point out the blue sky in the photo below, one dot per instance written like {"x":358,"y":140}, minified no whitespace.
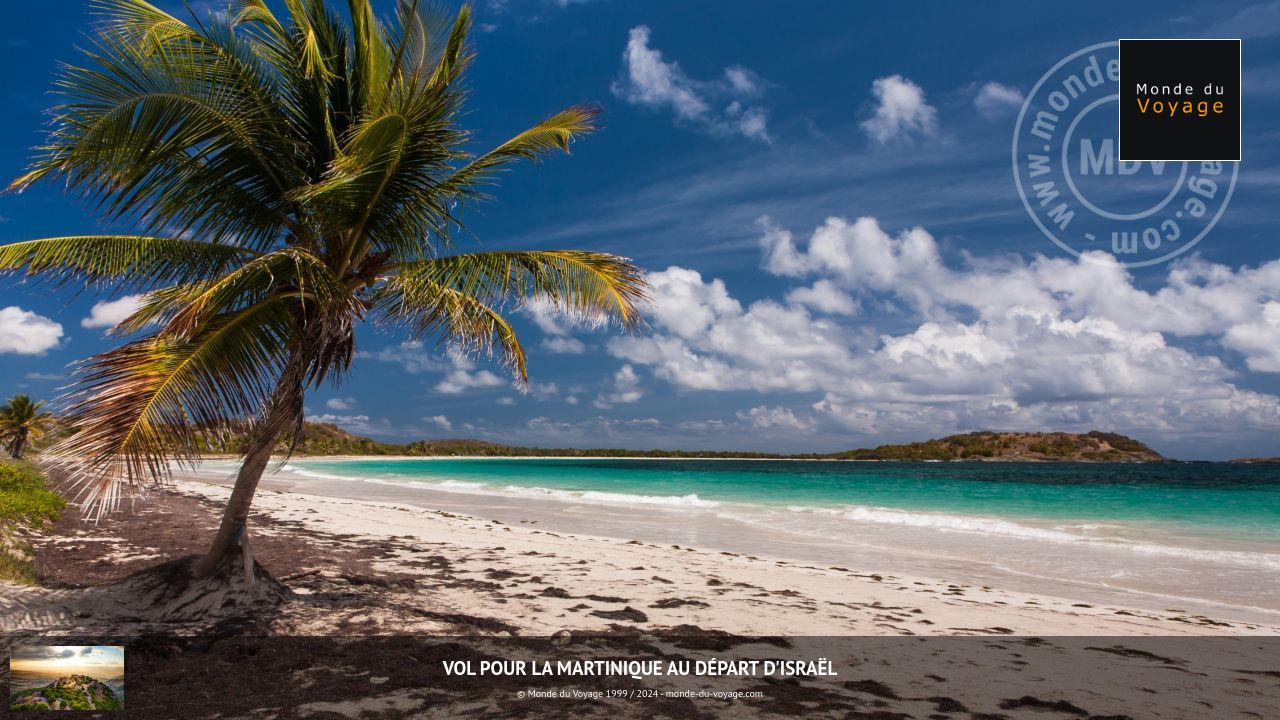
{"x":822,"y":193}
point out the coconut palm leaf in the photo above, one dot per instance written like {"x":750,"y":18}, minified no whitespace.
{"x":125,"y":261}
{"x":141,"y":406}
{"x":281,"y":171}
{"x":459,"y":298}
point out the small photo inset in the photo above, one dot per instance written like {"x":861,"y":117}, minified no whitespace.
{"x":66,"y":677}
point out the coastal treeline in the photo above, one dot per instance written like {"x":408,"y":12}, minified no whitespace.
{"x":328,"y":439}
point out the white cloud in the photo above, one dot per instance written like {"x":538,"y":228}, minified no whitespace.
{"x":626,"y":389}
{"x":506,"y":400}
{"x":340,"y":403}
{"x":460,"y":372}
{"x":719,"y":107}
{"x":1258,"y":339}
{"x":25,"y":333}
{"x":596,"y":431}
{"x":901,"y":111}
{"x":997,"y":342}
{"x":440,"y":421}
{"x":824,"y":296}
{"x":775,"y":418}
{"x":352,"y":423}
{"x":556,"y":323}
{"x":411,"y":355}
{"x":564,"y":346}
{"x":544,"y":391}
{"x":995,"y":101}
{"x":110,"y":313}
{"x":743,"y":81}
{"x":464,"y":376}
{"x":46,"y":377}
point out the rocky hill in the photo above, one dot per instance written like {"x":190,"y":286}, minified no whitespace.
{"x":1092,"y":446}
{"x":69,"y":692}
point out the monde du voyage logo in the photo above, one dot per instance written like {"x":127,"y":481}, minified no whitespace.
{"x":1138,"y":163}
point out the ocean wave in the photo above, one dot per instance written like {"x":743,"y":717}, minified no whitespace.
{"x":976,"y":525}
{"x":1091,"y":534}
{"x":594,"y":497}
{"x":610,"y":498}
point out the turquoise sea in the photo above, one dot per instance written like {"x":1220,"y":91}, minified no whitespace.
{"x":1202,"y":530}
{"x":1210,"y":499}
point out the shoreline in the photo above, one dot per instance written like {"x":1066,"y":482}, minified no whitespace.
{"x":1156,"y":562}
{"x":1035,"y":461}
{"x":360,"y":560}
{"x":1030,"y":605}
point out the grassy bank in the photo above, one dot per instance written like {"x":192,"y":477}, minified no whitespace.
{"x":26,"y":505}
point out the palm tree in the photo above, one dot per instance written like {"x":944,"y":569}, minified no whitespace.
{"x":21,"y":422}
{"x":284,"y":179}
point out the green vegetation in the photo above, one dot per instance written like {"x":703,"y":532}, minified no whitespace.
{"x":21,"y":423}
{"x":1092,"y":446}
{"x":328,"y":439}
{"x":72,"y":692}
{"x":26,"y":505}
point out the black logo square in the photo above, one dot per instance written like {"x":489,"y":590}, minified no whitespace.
{"x":1179,"y":100}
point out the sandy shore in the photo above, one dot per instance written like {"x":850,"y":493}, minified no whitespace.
{"x":383,"y":591}
{"x":433,"y":569}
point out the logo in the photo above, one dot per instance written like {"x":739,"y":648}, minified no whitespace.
{"x":1082,"y":196}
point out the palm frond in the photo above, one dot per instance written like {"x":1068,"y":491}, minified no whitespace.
{"x":289,"y":272}
{"x":455,"y":319}
{"x":582,"y":284}
{"x":555,"y":133}
{"x":174,"y":129}
{"x":143,"y":405}
{"x":125,"y":261}
{"x":460,"y":297}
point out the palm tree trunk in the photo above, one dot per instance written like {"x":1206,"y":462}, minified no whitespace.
{"x":281,"y":412}
{"x":19,"y":444}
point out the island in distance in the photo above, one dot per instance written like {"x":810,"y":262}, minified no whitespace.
{"x":319,"y":439}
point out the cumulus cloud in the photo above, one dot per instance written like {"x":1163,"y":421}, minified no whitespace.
{"x":110,"y":313}
{"x":556,"y":324}
{"x":626,"y":389}
{"x":995,"y":101}
{"x":901,"y":111}
{"x":564,"y":346}
{"x":1258,"y":339}
{"x":23,"y":332}
{"x":411,"y":355}
{"x":340,"y":403}
{"x":464,"y":376}
{"x":354,"y":423}
{"x":720,"y":107}
{"x":460,"y":371}
{"x":764,"y":417}
{"x":824,"y":296}
{"x":440,"y":421}
{"x":994,"y":342}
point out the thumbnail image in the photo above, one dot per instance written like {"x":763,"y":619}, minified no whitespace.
{"x":66,"y":677}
